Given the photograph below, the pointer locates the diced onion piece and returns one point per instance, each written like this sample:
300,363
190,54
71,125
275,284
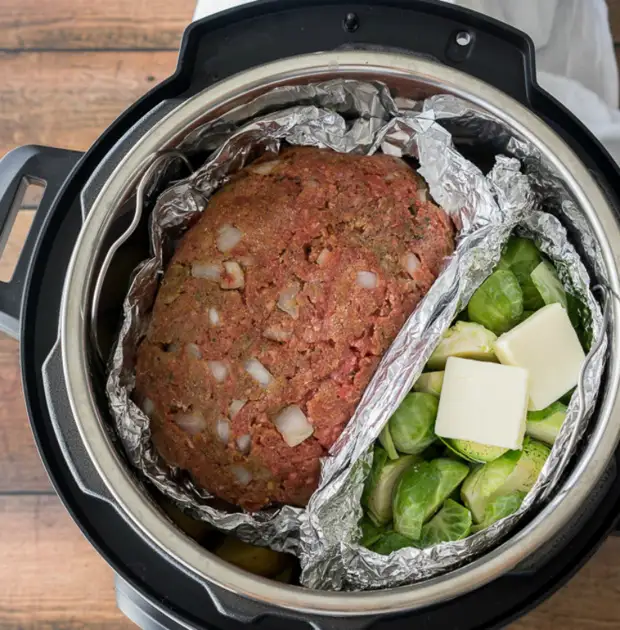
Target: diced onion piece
287,301
242,475
422,195
235,407
233,277
366,279
323,257
411,263
214,317
148,407
228,237
293,425
222,429
192,423
243,443
266,167
277,335
258,372
194,350
207,271
218,369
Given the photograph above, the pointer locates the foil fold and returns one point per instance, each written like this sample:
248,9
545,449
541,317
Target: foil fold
359,117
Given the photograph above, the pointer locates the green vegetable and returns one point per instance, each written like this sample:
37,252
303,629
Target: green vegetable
567,397
452,522
411,425
385,439
465,339
525,315
377,496
421,489
370,532
485,483
513,471
544,425
521,256
392,541
548,284
429,383
473,451
500,507
498,303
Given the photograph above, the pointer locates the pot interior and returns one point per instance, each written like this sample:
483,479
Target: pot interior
173,532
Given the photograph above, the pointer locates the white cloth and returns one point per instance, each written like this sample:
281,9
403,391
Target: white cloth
575,57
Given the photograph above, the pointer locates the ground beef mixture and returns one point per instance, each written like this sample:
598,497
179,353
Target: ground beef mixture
274,313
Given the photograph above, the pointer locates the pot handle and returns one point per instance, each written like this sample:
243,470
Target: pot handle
26,165
247,611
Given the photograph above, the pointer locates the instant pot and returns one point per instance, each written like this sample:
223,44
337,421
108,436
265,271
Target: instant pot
163,578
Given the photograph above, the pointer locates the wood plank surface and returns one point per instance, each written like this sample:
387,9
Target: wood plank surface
88,24
67,99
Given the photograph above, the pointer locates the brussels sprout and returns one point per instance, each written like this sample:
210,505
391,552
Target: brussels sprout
485,482
548,284
544,425
421,489
474,451
514,471
466,340
565,400
521,257
452,522
411,425
429,383
377,496
500,507
385,439
390,542
257,560
498,303
370,532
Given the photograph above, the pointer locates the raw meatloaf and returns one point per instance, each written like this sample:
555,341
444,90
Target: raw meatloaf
274,313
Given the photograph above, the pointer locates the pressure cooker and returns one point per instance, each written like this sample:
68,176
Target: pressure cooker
417,47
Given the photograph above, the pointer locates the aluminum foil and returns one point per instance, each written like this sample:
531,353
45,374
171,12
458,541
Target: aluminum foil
360,117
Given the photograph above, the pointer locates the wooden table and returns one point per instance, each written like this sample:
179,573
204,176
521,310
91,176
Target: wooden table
68,68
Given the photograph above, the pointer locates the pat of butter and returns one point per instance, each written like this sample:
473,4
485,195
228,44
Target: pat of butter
483,402
547,346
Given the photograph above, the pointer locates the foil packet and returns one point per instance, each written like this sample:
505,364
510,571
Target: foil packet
359,117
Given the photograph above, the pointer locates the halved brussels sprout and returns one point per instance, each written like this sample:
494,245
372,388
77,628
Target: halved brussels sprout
521,256
546,280
474,451
467,340
429,383
452,522
370,532
421,489
411,425
514,471
544,425
498,303
385,439
377,496
390,542
500,507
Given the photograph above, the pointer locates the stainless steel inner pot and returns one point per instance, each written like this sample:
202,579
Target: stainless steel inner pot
408,76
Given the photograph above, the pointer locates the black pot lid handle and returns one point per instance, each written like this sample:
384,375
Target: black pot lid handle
31,164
